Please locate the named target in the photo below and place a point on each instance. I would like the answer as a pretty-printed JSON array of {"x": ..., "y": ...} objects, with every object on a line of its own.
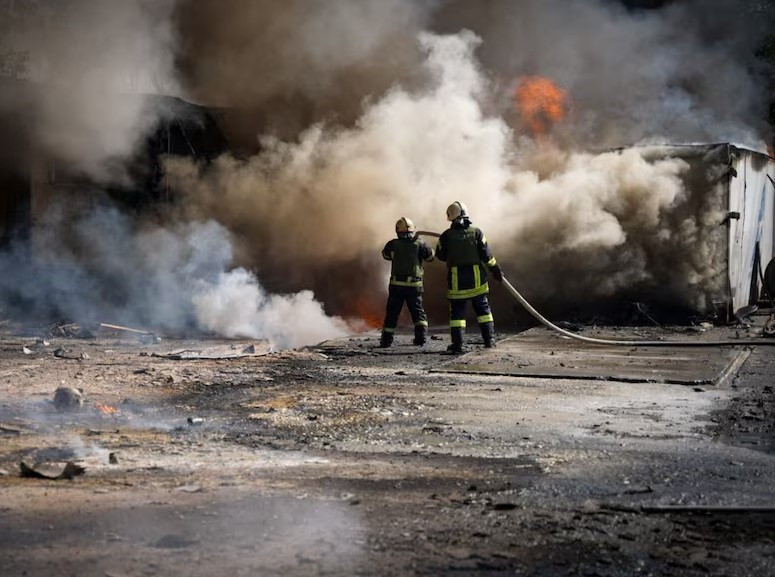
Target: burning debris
[{"x": 105, "y": 409}]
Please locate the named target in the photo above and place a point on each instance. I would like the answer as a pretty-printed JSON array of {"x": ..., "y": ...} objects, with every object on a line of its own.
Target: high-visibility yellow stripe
[
  {"x": 404, "y": 283},
  {"x": 421, "y": 324},
  {"x": 477, "y": 276},
  {"x": 470, "y": 293},
  {"x": 485, "y": 319},
  {"x": 457, "y": 324},
  {"x": 388, "y": 329},
  {"x": 484, "y": 239},
  {"x": 491, "y": 262},
  {"x": 454, "y": 283}
]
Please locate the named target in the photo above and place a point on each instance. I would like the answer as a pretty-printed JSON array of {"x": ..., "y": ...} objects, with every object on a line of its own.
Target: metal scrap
[
  {"x": 147, "y": 337},
  {"x": 216, "y": 353}
]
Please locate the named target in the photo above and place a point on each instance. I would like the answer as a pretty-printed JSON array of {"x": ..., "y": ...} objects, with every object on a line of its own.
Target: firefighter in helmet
[
  {"x": 465, "y": 250},
  {"x": 406, "y": 254}
]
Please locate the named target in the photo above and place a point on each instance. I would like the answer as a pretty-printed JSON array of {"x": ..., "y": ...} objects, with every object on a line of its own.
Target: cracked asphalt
[{"x": 344, "y": 459}]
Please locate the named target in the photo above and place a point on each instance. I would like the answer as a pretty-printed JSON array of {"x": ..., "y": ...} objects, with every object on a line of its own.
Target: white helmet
[
  {"x": 456, "y": 210},
  {"x": 405, "y": 225}
]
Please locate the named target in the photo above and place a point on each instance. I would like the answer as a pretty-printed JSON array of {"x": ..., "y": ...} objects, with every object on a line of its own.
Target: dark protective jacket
[
  {"x": 407, "y": 256},
  {"x": 465, "y": 250}
]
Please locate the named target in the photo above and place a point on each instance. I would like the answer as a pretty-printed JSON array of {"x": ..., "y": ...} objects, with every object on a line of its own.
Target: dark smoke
[{"x": 349, "y": 114}]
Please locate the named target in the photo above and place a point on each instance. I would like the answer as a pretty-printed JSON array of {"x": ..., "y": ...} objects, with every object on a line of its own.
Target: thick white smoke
[
  {"x": 332, "y": 197},
  {"x": 171, "y": 279},
  {"x": 235, "y": 305},
  {"x": 353, "y": 123}
]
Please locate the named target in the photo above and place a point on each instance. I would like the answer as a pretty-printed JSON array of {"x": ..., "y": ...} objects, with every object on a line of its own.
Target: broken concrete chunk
[
  {"x": 70, "y": 471},
  {"x": 8, "y": 429},
  {"x": 66, "y": 354},
  {"x": 68, "y": 399}
]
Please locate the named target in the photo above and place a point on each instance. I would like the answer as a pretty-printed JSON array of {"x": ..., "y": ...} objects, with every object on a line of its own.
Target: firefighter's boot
[
  {"x": 385, "y": 340},
  {"x": 488, "y": 334},
  {"x": 420, "y": 332},
  {"x": 457, "y": 334}
]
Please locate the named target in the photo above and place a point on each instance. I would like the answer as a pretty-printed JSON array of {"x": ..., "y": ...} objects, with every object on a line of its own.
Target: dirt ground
[{"x": 344, "y": 459}]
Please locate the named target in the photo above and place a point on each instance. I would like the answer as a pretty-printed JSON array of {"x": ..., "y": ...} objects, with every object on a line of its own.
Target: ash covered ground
[{"x": 344, "y": 459}]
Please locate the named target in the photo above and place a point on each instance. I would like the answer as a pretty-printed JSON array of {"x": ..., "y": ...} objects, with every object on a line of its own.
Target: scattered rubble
[
  {"x": 70, "y": 471},
  {"x": 71, "y": 330},
  {"x": 219, "y": 352},
  {"x": 10, "y": 430},
  {"x": 62, "y": 353}
]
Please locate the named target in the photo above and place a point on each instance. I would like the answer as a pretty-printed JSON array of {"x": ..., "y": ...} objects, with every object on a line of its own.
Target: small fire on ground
[
  {"x": 369, "y": 312},
  {"x": 105, "y": 409}
]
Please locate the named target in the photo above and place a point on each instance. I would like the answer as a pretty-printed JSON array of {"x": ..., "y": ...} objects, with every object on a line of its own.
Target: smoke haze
[
  {"x": 83, "y": 60},
  {"x": 348, "y": 115}
]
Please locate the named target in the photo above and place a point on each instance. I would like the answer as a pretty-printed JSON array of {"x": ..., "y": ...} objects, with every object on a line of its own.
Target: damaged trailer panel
[{"x": 728, "y": 215}]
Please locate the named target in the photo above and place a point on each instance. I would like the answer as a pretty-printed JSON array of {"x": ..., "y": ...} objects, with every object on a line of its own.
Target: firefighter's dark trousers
[
  {"x": 457, "y": 320},
  {"x": 397, "y": 296}
]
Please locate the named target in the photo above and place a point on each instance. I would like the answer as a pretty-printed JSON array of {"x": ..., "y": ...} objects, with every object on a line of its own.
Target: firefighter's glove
[{"x": 497, "y": 273}]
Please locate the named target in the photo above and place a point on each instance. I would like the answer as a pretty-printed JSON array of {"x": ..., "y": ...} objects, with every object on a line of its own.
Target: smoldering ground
[{"x": 358, "y": 113}]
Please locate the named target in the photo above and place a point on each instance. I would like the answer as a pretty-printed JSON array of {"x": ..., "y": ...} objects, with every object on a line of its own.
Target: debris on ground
[
  {"x": 68, "y": 398},
  {"x": 769, "y": 326},
  {"x": 9, "y": 430},
  {"x": 489, "y": 471},
  {"x": 146, "y": 337},
  {"x": 70, "y": 471},
  {"x": 71, "y": 330},
  {"x": 62, "y": 353},
  {"x": 220, "y": 352}
]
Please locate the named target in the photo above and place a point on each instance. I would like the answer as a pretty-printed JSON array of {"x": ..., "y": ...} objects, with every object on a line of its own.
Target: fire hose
[{"x": 620, "y": 342}]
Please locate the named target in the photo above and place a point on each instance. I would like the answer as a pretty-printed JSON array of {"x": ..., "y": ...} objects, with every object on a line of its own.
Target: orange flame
[
  {"x": 540, "y": 102},
  {"x": 369, "y": 312},
  {"x": 105, "y": 409}
]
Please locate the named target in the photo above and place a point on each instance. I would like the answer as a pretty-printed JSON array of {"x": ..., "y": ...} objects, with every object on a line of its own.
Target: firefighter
[
  {"x": 406, "y": 254},
  {"x": 465, "y": 250}
]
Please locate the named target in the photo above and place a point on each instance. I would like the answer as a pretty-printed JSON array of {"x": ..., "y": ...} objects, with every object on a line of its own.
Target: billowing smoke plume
[
  {"x": 86, "y": 64},
  {"x": 86, "y": 80},
  {"x": 349, "y": 114},
  {"x": 174, "y": 277},
  {"x": 326, "y": 203},
  {"x": 293, "y": 62},
  {"x": 685, "y": 73}
]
